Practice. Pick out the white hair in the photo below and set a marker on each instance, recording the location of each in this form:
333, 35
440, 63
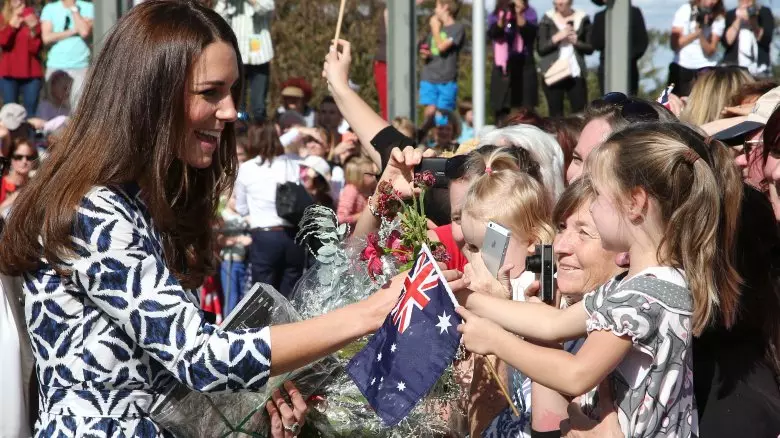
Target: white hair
543, 147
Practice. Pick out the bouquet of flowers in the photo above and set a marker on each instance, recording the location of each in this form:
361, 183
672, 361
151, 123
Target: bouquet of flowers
404, 228
348, 271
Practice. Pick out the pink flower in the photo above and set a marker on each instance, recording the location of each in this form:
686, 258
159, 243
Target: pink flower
440, 254
402, 253
426, 179
372, 253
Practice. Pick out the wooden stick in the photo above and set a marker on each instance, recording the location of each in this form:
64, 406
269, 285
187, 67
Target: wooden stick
338, 24
501, 386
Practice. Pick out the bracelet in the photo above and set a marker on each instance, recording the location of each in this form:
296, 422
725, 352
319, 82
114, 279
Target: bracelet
371, 207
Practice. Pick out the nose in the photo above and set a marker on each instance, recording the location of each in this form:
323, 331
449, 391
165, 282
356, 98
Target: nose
741, 161
227, 110
563, 244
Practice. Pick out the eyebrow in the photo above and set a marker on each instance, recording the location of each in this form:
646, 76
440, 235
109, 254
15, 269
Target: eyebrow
216, 83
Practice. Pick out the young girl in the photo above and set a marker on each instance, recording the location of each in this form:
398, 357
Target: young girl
655, 197
505, 189
361, 178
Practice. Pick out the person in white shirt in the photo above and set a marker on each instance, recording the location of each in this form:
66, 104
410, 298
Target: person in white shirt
696, 31
274, 256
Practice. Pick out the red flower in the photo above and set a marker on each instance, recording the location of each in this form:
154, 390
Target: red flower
373, 254
440, 254
402, 254
426, 179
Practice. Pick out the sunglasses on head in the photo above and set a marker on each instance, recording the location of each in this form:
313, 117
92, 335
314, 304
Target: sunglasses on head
631, 109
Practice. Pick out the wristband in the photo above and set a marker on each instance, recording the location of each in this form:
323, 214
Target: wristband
371, 207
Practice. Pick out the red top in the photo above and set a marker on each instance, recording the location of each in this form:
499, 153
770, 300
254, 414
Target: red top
21, 57
457, 259
6, 188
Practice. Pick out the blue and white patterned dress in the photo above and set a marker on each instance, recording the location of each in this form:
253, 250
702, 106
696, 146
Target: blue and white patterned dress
119, 330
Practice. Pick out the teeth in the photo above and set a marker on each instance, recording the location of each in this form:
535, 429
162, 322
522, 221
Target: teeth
210, 134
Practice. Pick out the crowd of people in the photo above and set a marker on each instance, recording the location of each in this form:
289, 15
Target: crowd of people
662, 216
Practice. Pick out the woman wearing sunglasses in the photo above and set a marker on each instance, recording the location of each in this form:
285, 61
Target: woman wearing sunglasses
23, 157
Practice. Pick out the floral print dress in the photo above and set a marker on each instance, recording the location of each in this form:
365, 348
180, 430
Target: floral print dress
119, 330
653, 385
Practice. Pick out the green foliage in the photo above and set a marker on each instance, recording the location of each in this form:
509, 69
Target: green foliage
302, 31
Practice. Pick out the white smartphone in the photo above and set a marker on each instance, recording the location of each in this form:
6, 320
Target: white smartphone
494, 246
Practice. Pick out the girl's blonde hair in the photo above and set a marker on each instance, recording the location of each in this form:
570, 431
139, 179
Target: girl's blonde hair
699, 208
405, 126
353, 170
711, 93
506, 194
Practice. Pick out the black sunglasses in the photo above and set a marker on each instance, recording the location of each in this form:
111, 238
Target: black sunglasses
631, 109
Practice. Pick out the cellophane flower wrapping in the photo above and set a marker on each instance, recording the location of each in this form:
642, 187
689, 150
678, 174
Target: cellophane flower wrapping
187, 413
347, 271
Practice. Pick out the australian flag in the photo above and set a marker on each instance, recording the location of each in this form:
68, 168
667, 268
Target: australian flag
414, 346
663, 99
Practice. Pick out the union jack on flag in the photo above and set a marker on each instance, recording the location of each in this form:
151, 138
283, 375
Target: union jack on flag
416, 343
422, 278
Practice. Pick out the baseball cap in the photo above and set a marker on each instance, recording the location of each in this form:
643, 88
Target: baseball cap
12, 115
762, 110
292, 91
318, 164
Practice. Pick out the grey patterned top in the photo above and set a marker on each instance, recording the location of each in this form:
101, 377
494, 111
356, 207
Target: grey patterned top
653, 385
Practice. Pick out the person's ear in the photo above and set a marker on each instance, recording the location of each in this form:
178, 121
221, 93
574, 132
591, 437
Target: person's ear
637, 204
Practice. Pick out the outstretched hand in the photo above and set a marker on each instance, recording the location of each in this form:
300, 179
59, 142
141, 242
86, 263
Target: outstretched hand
284, 417
479, 334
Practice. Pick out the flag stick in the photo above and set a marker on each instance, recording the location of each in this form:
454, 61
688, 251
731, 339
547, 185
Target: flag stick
338, 23
501, 386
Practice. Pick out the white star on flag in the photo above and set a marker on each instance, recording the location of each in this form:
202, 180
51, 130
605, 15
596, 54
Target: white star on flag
379, 357
401, 386
392, 348
444, 323
373, 381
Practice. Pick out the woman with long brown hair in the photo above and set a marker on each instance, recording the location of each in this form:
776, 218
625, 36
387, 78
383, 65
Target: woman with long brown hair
116, 226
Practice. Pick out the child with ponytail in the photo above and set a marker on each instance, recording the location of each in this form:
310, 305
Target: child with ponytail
506, 188
655, 197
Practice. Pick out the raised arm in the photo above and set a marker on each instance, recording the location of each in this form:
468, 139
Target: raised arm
83, 24
365, 122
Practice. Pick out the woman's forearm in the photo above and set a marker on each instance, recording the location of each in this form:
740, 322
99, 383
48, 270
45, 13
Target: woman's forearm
295, 345
363, 120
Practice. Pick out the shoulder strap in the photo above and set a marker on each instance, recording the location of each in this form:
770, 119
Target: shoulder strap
668, 293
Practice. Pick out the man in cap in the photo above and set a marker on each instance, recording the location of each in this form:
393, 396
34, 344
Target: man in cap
745, 134
296, 93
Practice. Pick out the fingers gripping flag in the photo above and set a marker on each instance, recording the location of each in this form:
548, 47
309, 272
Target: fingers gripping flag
416, 343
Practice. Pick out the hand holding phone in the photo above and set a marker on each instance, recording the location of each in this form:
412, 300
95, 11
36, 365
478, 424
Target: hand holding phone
494, 246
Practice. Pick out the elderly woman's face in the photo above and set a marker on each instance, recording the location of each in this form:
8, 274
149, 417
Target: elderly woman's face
583, 264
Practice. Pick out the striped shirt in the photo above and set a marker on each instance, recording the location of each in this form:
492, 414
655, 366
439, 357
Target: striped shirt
252, 26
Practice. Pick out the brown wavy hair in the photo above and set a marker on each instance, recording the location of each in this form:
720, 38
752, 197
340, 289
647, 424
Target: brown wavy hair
131, 127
